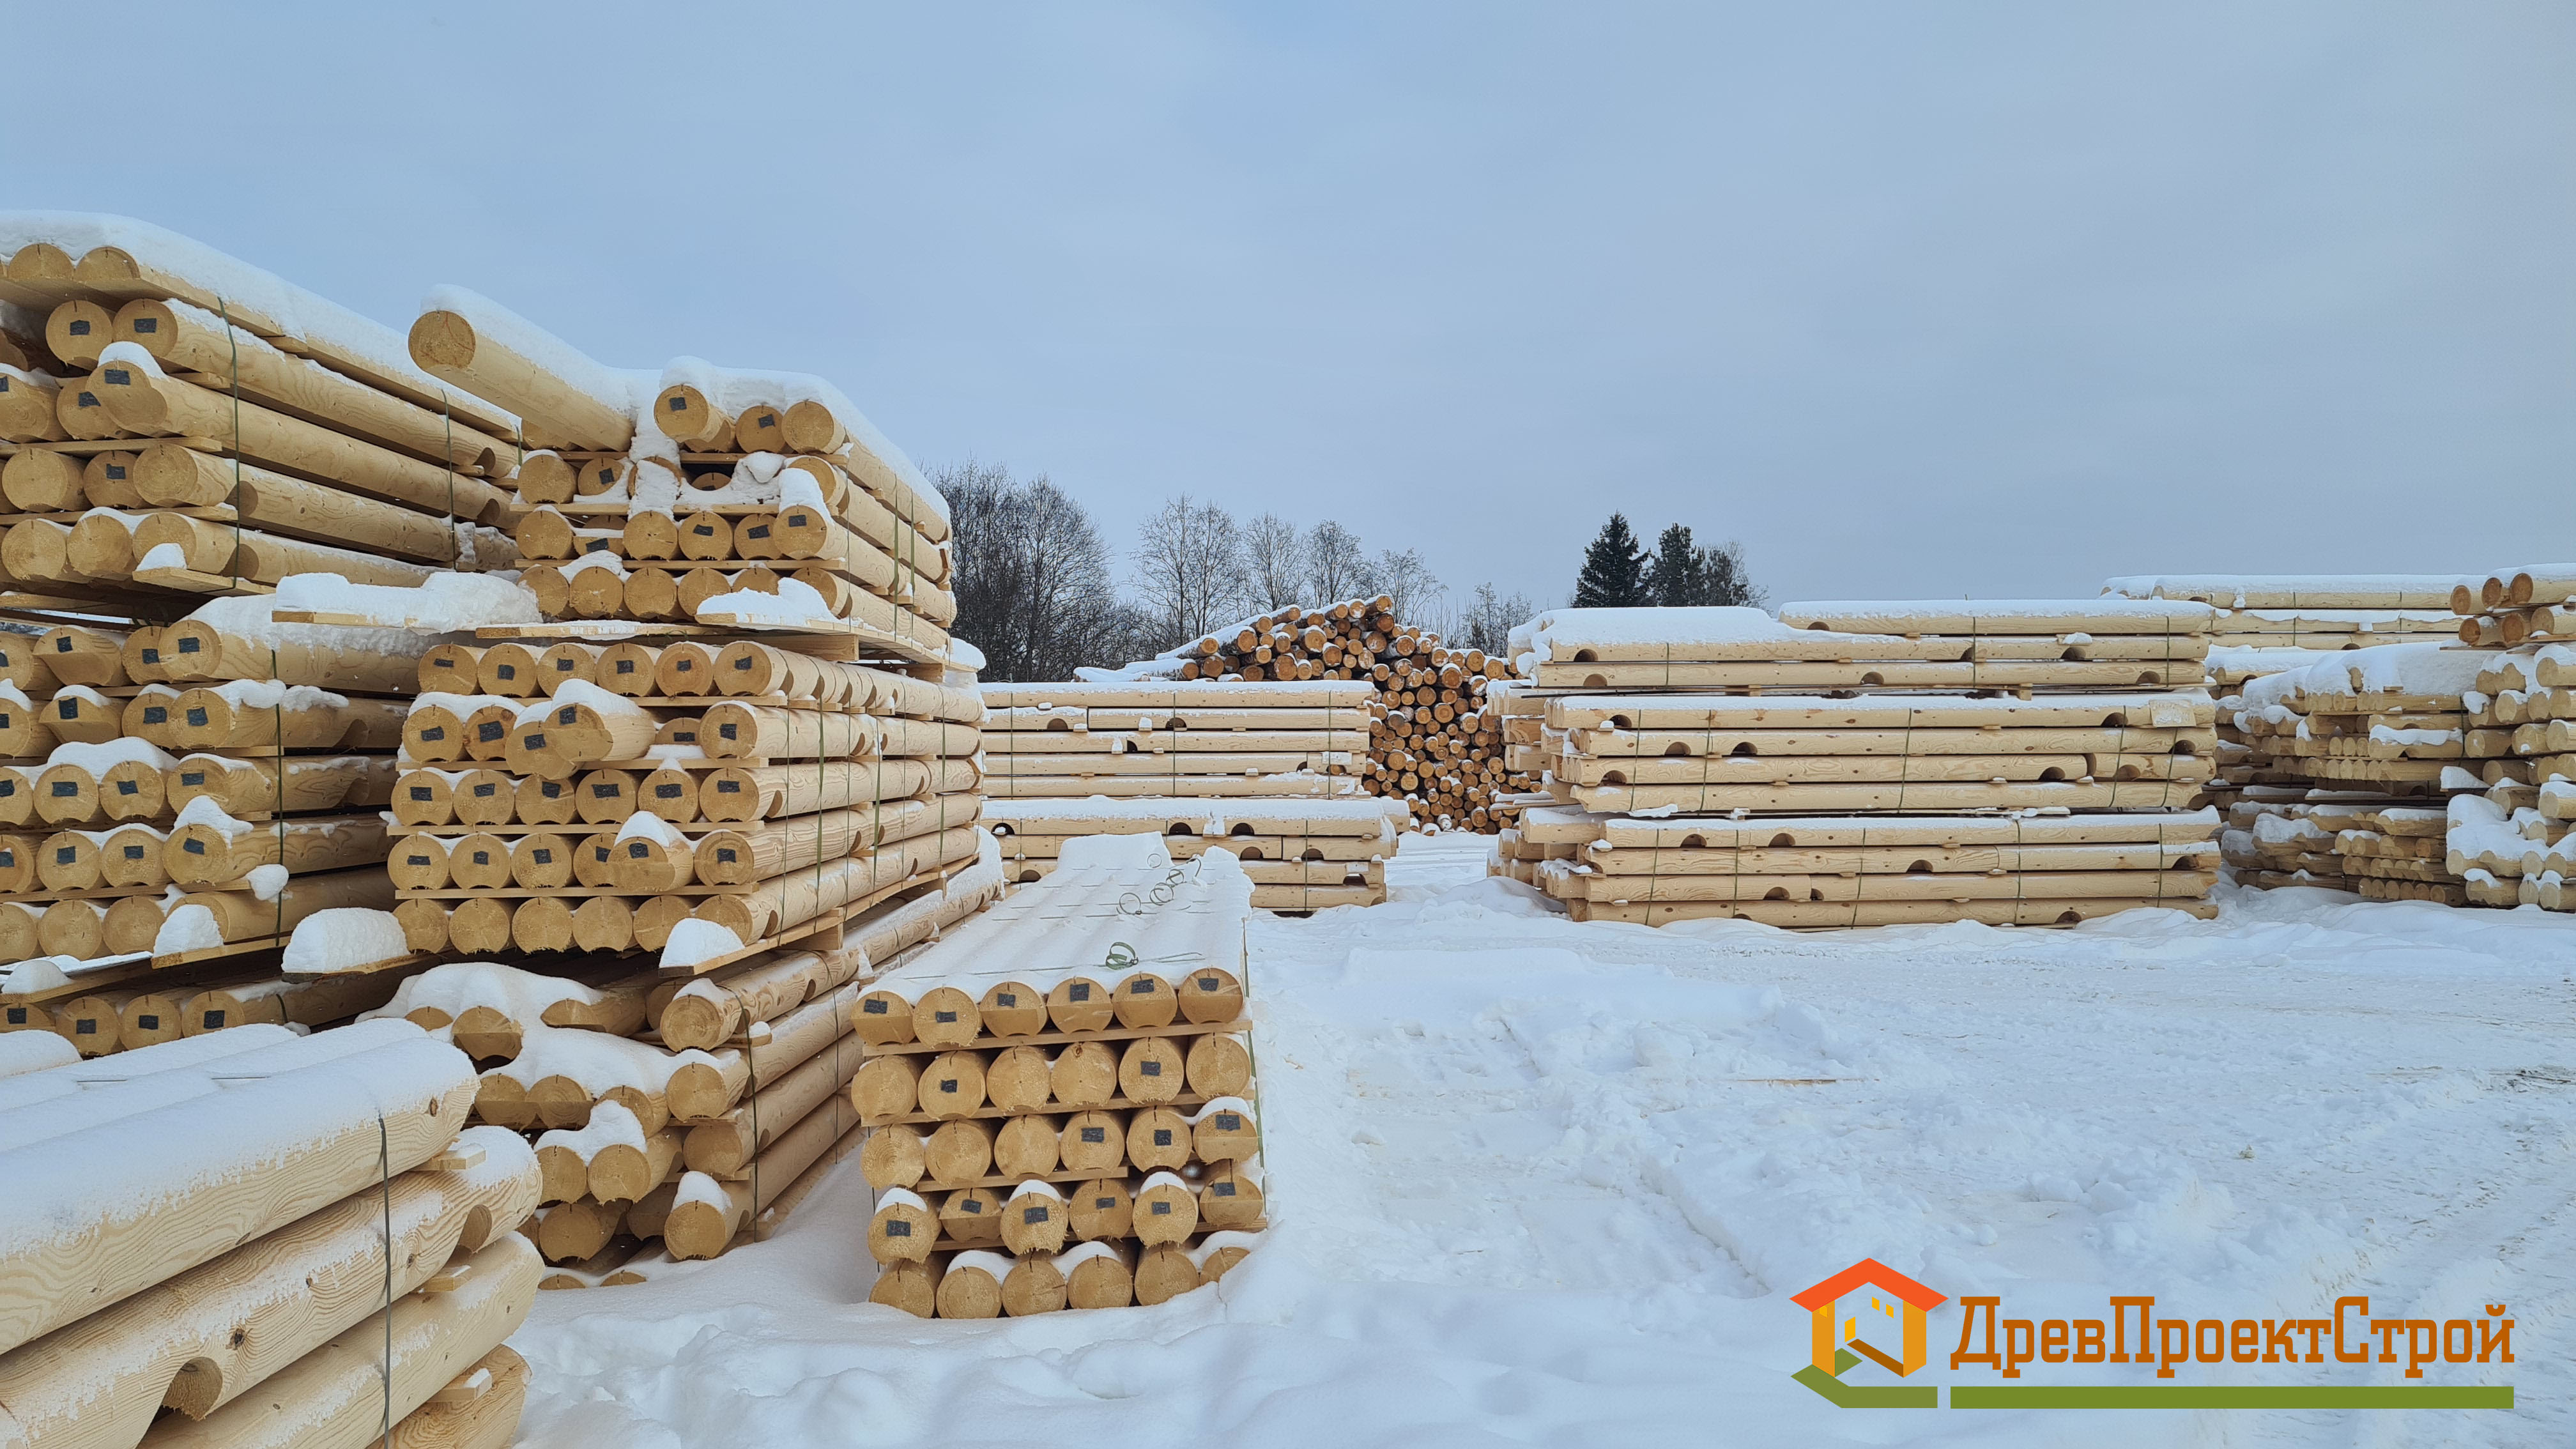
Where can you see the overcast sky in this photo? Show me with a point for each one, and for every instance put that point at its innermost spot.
(1913, 300)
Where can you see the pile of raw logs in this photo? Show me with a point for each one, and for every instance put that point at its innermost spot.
(2016, 763)
(1058, 1098)
(226, 1240)
(674, 1117)
(1434, 745)
(1302, 855)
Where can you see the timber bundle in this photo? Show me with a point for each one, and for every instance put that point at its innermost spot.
(1862, 764)
(1301, 855)
(1058, 1099)
(1198, 739)
(1432, 742)
(675, 1116)
(222, 1241)
(184, 780)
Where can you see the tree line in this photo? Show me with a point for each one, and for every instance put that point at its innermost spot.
(1042, 593)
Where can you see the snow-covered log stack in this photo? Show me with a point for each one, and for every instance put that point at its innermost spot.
(673, 1116)
(253, 1238)
(1432, 742)
(1302, 855)
(1177, 740)
(719, 495)
(2529, 603)
(1909, 792)
(1059, 1097)
(567, 795)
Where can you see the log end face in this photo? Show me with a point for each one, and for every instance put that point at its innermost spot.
(442, 343)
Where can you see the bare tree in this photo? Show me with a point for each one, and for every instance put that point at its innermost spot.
(1189, 568)
(1335, 568)
(1033, 582)
(1405, 578)
(1490, 619)
(1274, 559)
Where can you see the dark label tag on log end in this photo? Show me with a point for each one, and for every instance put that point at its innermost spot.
(1158, 1209)
(1095, 1134)
(1150, 1069)
(873, 1007)
(898, 1229)
(1162, 1136)
(1033, 1215)
(1081, 991)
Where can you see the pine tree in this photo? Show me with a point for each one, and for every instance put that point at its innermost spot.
(1677, 576)
(1614, 569)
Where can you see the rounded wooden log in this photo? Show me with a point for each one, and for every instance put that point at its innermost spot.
(912, 1287)
(1094, 1141)
(39, 482)
(1036, 1219)
(571, 1231)
(89, 1022)
(952, 1085)
(971, 1287)
(882, 1018)
(68, 860)
(1224, 1133)
(542, 923)
(149, 1019)
(479, 862)
(20, 936)
(418, 863)
(971, 1215)
(39, 551)
(622, 1170)
(1229, 1197)
(424, 924)
(23, 667)
(896, 1156)
(245, 787)
(903, 1229)
(705, 537)
(1102, 1208)
(192, 649)
(69, 795)
(183, 338)
(1098, 1277)
(594, 593)
(168, 475)
(162, 406)
(1034, 1285)
(27, 413)
(545, 802)
(1151, 1070)
(78, 330)
(546, 477)
(628, 669)
(18, 863)
(886, 1088)
(138, 855)
(1145, 999)
(1209, 994)
(1080, 1004)
(552, 409)
(476, 925)
(1167, 1211)
(77, 655)
(132, 924)
(168, 1179)
(649, 535)
(604, 923)
(605, 797)
(946, 1016)
(687, 417)
(81, 717)
(1026, 1147)
(219, 548)
(1218, 1066)
(1016, 1079)
(1158, 1137)
(509, 670)
(17, 793)
(205, 855)
(242, 916)
(111, 480)
(1164, 1273)
(1084, 1074)
(486, 797)
(542, 862)
(961, 1150)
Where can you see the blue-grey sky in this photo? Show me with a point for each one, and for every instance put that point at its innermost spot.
(1912, 299)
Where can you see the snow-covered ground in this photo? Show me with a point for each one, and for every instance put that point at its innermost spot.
(1539, 1182)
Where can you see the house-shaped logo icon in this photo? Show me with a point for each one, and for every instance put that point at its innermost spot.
(1895, 1303)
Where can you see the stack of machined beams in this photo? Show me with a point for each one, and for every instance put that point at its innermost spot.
(2326, 612)
(184, 780)
(1302, 855)
(1432, 742)
(674, 1117)
(1059, 1097)
(575, 796)
(1183, 740)
(1702, 769)
(250, 1237)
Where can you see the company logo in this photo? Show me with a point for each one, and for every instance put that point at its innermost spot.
(1870, 1313)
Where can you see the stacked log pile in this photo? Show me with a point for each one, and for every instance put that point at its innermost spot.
(574, 796)
(1193, 740)
(1059, 1098)
(185, 433)
(1301, 855)
(229, 1226)
(674, 1117)
(1433, 744)
(2530, 603)
(2377, 743)
(1709, 775)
